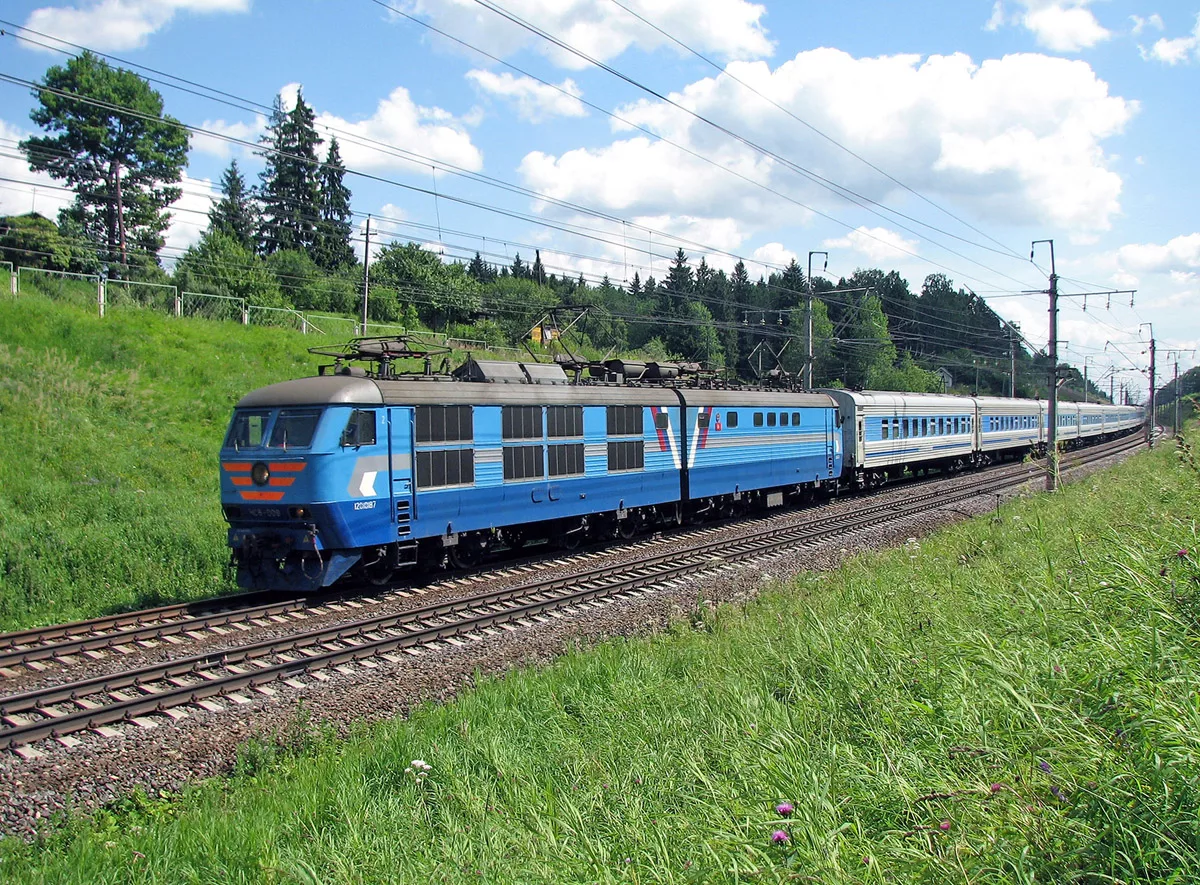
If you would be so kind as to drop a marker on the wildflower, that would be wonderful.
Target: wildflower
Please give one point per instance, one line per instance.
(1044, 766)
(1104, 583)
(1058, 794)
(780, 836)
(944, 825)
(1183, 552)
(996, 788)
(1058, 669)
(783, 809)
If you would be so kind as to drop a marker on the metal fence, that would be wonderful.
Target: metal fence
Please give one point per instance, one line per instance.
(168, 299)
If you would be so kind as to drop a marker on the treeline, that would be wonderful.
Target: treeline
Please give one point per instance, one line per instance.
(286, 242)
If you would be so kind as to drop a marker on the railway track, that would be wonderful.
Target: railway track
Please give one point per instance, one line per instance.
(69, 644)
(205, 680)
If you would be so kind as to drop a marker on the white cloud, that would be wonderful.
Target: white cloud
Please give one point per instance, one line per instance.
(1139, 23)
(113, 25)
(1178, 255)
(219, 147)
(878, 244)
(727, 28)
(1017, 140)
(430, 132)
(24, 190)
(535, 101)
(1060, 25)
(1180, 50)
(189, 215)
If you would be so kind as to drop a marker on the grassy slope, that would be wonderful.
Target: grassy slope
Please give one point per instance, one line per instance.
(109, 431)
(1011, 700)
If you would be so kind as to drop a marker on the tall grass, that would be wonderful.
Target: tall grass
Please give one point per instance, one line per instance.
(109, 431)
(1011, 700)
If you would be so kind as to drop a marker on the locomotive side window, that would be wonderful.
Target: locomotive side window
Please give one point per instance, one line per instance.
(731, 419)
(360, 429)
(564, 421)
(521, 422)
(444, 424)
(770, 419)
(445, 467)
(795, 419)
(758, 419)
(702, 420)
(294, 427)
(523, 462)
(662, 421)
(566, 459)
(624, 420)
(247, 429)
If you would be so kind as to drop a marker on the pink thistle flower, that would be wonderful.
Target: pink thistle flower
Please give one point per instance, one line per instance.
(783, 809)
(996, 788)
(944, 825)
(1183, 552)
(780, 836)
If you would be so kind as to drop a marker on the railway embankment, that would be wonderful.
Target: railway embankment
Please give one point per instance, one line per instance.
(1012, 698)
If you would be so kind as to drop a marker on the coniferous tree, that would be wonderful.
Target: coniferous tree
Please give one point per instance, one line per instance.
(120, 154)
(332, 248)
(290, 192)
(519, 270)
(538, 273)
(480, 270)
(235, 214)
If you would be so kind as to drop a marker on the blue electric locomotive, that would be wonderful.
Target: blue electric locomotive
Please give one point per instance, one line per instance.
(369, 472)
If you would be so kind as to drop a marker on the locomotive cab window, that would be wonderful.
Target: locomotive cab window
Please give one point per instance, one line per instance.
(294, 427)
(662, 420)
(247, 429)
(702, 420)
(360, 429)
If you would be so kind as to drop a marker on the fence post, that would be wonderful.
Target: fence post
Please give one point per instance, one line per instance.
(303, 324)
(245, 313)
(100, 295)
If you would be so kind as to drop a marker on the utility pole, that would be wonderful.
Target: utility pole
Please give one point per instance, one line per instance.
(366, 275)
(1052, 398)
(1152, 417)
(1012, 364)
(808, 363)
(1052, 348)
(1173, 353)
(1085, 390)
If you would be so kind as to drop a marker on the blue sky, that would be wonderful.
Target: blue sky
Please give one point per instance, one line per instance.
(988, 125)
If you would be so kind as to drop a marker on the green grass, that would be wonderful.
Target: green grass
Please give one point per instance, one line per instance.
(1010, 700)
(108, 451)
(109, 432)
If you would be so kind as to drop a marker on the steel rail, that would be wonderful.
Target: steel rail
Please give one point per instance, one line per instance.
(315, 652)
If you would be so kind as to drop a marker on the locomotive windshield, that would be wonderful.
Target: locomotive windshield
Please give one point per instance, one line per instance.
(247, 429)
(287, 428)
(294, 427)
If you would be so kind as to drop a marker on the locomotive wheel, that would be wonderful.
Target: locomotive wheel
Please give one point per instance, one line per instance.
(379, 571)
(627, 528)
(463, 555)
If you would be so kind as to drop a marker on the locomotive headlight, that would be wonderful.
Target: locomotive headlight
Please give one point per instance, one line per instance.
(299, 512)
(260, 473)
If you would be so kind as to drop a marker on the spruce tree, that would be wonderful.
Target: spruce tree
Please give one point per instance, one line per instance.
(235, 214)
(291, 193)
(332, 248)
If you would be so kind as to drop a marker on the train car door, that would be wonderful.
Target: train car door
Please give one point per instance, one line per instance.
(400, 458)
